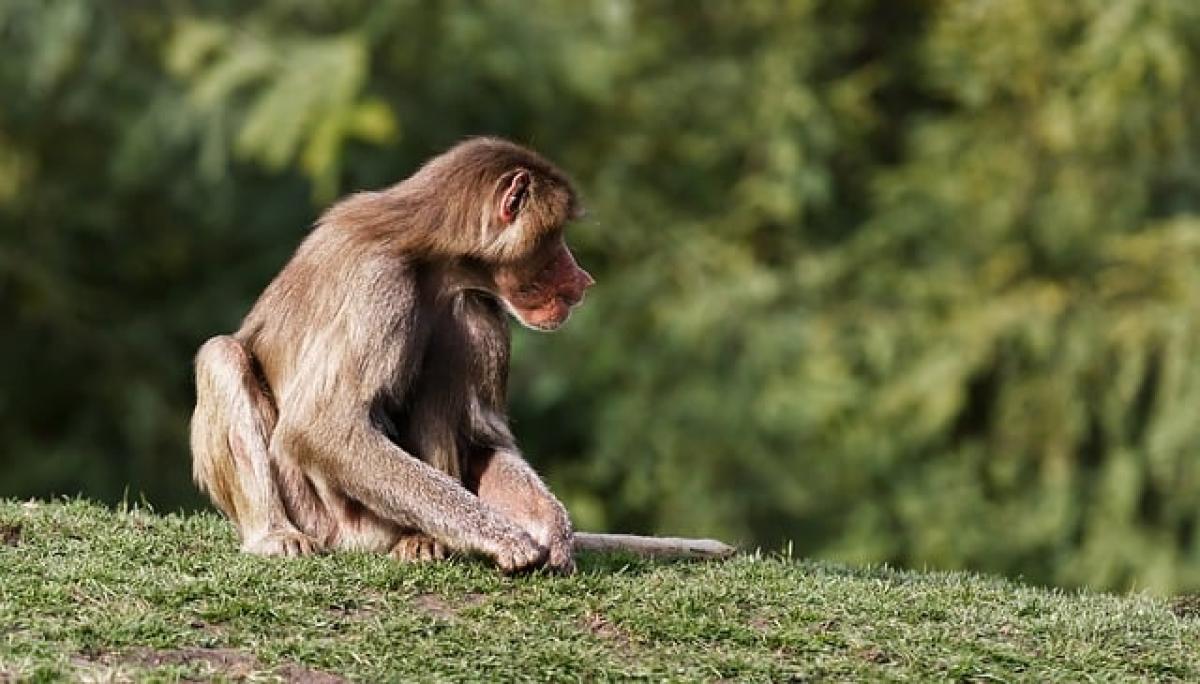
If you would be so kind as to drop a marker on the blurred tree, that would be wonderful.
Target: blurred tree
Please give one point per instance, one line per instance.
(907, 282)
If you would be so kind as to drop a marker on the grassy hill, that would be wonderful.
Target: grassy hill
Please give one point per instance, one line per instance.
(86, 592)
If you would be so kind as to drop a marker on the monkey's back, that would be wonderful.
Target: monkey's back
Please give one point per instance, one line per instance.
(335, 291)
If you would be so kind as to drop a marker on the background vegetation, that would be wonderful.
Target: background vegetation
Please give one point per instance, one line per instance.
(903, 281)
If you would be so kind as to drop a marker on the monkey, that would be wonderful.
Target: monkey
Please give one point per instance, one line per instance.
(361, 405)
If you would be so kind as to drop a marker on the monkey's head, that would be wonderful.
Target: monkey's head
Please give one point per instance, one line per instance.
(535, 275)
(502, 210)
(524, 204)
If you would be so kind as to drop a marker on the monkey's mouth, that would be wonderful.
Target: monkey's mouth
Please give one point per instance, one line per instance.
(543, 302)
(547, 316)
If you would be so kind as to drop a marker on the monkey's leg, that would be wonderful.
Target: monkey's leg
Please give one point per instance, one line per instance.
(504, 481)
(231, 429)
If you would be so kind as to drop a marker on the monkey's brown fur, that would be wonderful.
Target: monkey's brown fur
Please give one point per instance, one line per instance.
(361, 405)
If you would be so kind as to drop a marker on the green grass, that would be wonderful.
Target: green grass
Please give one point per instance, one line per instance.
(86, 592)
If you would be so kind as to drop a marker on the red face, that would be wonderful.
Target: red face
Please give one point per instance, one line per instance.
(541, 290)
(542, 298)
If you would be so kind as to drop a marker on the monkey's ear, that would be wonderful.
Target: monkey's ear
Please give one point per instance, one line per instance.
(515, 193)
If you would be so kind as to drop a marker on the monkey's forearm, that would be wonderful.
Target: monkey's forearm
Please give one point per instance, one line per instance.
(400, 487)
(506, 482)
(654, 547)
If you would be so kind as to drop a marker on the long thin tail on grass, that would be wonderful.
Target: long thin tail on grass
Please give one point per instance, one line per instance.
(654, 547)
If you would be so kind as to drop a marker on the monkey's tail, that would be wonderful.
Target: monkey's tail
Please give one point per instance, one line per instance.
(654, 547)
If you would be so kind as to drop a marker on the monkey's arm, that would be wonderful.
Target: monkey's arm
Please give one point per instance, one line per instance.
(506, 482)
(370, 469)
(509, 484)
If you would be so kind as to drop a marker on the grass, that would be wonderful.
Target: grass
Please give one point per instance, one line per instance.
(91, 593)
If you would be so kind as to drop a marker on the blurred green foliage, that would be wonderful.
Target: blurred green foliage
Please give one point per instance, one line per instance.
(902, 281)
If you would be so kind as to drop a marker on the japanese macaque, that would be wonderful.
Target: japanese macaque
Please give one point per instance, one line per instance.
(361, 405)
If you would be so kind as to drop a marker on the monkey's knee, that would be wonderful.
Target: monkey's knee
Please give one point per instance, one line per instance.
(228, 375)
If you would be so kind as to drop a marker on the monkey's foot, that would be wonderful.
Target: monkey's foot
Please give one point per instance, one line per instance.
(417, 547)
(284, 542)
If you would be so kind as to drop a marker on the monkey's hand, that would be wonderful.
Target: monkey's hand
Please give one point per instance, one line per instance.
(562, 547)
(515, 551)
(559, 539)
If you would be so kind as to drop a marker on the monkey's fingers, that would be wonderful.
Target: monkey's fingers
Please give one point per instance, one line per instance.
(523, 555)
(561, 559)
(654, 547)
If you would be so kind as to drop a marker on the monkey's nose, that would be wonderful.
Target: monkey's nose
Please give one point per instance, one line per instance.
(574, 295)
(571, 297)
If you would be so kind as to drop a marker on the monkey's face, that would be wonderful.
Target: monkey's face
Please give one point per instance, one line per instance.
(541, 282)
(541, 293)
